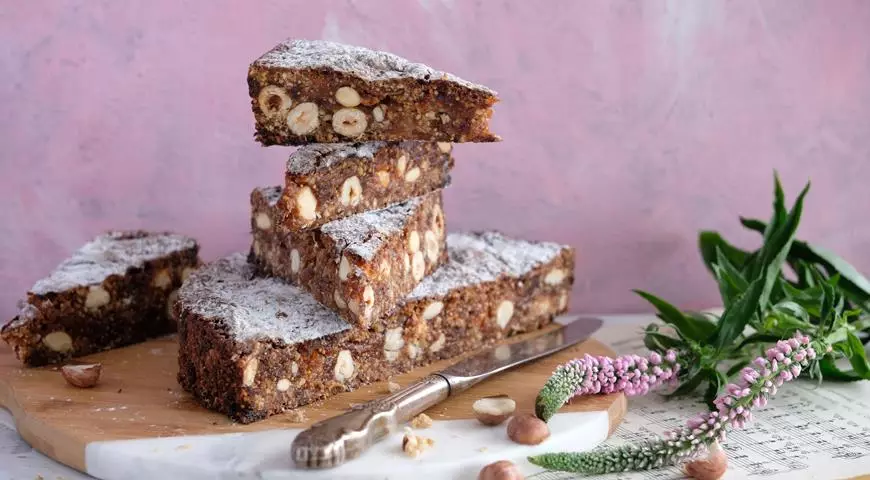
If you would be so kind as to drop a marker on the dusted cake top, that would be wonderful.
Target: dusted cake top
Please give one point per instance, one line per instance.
(364, 233)
(322, 156)
(477, 257)
(256, 308)
(112, 253)
(366, 64)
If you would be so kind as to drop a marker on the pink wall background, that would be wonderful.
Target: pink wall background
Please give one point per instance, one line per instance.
(628, 126)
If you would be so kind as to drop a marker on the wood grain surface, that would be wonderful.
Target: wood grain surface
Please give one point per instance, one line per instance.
(138, 397)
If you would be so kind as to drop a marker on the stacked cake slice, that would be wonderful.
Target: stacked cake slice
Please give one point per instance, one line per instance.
(351, 276)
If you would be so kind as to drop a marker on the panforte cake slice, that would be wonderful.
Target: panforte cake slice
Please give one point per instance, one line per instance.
(253, 346)
(362, 265)
(315, 91)
(114, 291)
(328, 182)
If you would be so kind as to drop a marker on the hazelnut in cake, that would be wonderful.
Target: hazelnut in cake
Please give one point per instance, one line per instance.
(114, 291)
(326, 182)
(314, 91)
(362, 265)
(252, 346)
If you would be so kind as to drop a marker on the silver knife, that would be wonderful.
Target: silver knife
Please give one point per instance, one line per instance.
(333, 441)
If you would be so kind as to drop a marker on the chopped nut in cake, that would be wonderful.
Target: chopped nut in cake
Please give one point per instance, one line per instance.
(113, 291)
(314, 91)
(328, 182)
(231, 319)
(353, 265)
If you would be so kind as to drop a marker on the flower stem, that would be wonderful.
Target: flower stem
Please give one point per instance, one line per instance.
(631, 374)
(754, 387)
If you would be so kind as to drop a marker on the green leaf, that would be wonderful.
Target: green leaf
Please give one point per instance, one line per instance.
(757, 338)
(858, 357)
(754, 224)
(737, 316)
(717, 380)
(740, 365)
(711, 242)
(731, 281)
(689, 384)
(688, 327)
(856, 285)
(830, 371)
(659, 342)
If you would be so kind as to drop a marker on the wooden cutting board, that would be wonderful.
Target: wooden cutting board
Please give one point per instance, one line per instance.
(138, 398)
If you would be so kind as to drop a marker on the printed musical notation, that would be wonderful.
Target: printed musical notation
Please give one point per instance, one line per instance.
(804, 432)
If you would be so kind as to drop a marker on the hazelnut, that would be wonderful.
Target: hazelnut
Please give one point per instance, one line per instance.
(82, 376)
(303, 119)
(344, 367)
(527, 429)
(432, 310)
(413, 445)
(494, 410)
(378, 113)
(555, 276)
(339, 302)
(413, 241)
(347, 97)
(263, 221)
(58, 341)
(250, 371)
(438, 344)
(383, 178)
(306, 204)
(162, 280)
(710, 468)
(170, 303)
(401, 163)
(445, 147)
(412, 175)
(283, 385)
(438, 221)
(393, 387)
(418, 266)
(273, 100)
(349, 122)
(97, 297)
(504, 313)
(295, 261)
(343, 268)
(351, 192)
(500, 470)
(432, 246)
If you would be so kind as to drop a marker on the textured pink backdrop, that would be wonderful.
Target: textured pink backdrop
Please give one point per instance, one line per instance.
(628, 125)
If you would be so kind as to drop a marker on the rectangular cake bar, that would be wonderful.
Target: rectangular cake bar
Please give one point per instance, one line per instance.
(114, 291)
(255, 346)
(361, 265)
(314, 91)
(327, 182)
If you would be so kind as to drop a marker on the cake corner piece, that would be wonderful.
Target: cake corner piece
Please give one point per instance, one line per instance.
(115, 290)
(316, 91)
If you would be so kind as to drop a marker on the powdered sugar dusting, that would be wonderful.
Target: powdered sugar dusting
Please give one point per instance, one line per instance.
(270, 194)
(475, 258)
(323, 156)
(111, 254)
(365, 233)
(228, 292)
(368, 65)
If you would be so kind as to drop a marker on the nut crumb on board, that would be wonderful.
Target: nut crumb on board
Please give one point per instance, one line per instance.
(413, 445)
(421, 421)
(393, 387)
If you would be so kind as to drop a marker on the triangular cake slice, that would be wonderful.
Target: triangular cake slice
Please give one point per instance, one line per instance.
(315, 91)
(327, 182)
(113, 291)
(254, 346)
(362, 265)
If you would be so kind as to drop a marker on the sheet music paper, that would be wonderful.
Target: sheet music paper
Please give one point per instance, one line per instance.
(804, 432)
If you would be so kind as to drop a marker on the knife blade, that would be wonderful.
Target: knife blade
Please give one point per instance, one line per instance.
(332, 442)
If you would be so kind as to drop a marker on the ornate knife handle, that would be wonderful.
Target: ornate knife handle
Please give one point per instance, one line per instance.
(333, 441)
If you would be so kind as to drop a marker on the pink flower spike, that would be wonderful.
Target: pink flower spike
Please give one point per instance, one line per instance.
(786, 361)
(796, 370)
(811, 353)
(671, 356)
(655, 358)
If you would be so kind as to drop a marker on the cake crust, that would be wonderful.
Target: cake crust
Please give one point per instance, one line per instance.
(113, 291)
(328, 182)
(315, 91)
(251, 347)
